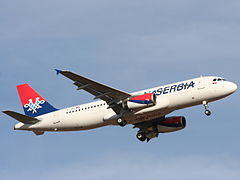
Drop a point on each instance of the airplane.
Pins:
(145, 110)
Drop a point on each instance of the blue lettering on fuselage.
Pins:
(174, 88)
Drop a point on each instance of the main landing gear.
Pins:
(207, 111)
(121, 122)
(141, 136)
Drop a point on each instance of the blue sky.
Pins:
(130, 45)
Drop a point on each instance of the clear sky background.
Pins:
(130, 45)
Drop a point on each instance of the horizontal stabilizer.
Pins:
(22, 118)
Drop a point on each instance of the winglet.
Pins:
(58, 71)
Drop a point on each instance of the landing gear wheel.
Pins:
(121, 122)
(207, 112)
(141, 136)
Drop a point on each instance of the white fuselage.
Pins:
(169, 98)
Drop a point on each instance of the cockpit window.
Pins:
(219, 79)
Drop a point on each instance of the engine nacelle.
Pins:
(141, 101)
(171, 124)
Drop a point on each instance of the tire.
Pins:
(121, 122)
(207, 112)
(141, 136)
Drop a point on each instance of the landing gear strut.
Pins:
(121, 122)
(207, 111)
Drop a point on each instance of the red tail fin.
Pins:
(33, 103)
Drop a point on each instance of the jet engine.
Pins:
(149, 130)
(141, 101)
(171, 124)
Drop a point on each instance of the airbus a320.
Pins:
(146, 110)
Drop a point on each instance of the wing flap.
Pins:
(22, 118)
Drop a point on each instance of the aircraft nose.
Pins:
(232, 87)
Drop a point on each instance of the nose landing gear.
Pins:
(207, 111)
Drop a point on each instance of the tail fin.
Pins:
(33, 104)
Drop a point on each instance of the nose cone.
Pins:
(232, 87)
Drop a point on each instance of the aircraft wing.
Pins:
(112, 96)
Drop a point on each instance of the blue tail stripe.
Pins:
(34, 110)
